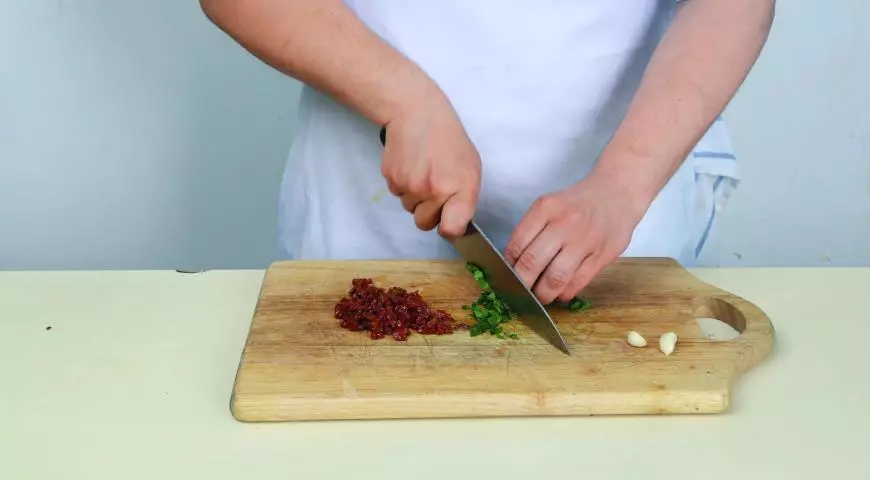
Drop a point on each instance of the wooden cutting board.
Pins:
(298, 364)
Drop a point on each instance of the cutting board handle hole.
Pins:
(719, 320)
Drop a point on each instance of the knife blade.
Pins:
(477, 248)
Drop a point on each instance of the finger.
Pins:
(532, 223)
(559, 273)
(535, 258)
(390, 176)
(589, 268)
(395, 190)
(427, 214)
(410, 202)
(456, 214)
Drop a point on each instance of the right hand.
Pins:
(431, 165)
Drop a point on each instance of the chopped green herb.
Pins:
(488, 310)
(579, 303)
(491, 313)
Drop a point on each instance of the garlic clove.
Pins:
(635, 339)
(667, 342)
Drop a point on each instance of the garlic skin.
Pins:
(667, 343)
(636, 340)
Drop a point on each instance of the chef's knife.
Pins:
(475, 247)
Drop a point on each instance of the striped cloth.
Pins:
(716, 178)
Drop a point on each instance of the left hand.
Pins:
(567, 237)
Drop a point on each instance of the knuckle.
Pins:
(393, 188)
(513, 251)
(545, 296)
(574, 216)
(548, 204)
(388, 174)
(439, 189)
(417, 186)
(527, 261)
(408, 204)
(557, 278)
(567, 224)
(540, 204)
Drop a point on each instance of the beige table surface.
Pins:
(133, 381)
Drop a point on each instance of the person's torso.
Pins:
(540, 86)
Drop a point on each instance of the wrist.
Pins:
(628, 178)
(410, 90)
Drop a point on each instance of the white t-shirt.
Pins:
(540, 87)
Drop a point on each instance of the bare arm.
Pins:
(700, 63)
(429, 161)
(703, 58)
(323, 44)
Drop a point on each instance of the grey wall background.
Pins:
(136, 135)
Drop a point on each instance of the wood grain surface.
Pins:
(298, 364)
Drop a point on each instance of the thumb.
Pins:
(456, 214)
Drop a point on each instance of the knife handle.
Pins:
(471, 225)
